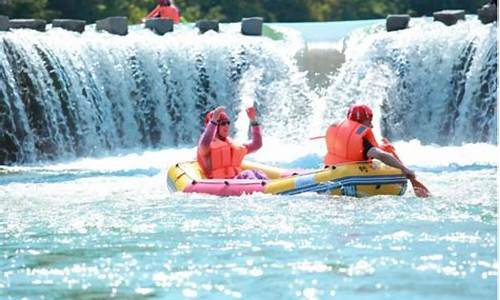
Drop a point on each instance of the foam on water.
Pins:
(308, 155)
(106, 226)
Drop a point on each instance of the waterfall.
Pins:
(434, 83)
(64, 94)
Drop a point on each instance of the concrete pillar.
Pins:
(113, 25)
(251, 26)
(160, 26)
(206, 25)
(487, 13)
(35, 24)
(68, 24)
(4, 23)
(397, 22)
(449, 17)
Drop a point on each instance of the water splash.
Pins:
(431, 82)
(65, 94)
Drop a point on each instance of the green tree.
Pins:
(233, 11)
(27, 9)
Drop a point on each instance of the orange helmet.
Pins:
(222, 117)
(360, 113)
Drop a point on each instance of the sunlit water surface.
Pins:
(108, 227)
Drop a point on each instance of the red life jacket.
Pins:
(165, 12)
(344, 142)
(169, 12)
(225, 159)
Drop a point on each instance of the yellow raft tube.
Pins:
(358, 179)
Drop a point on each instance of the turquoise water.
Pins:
(327, 31)
(105, 226)
(314, 32)
(108, 228)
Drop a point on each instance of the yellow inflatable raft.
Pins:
(354, 179)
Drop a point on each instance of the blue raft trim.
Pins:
(347, 181)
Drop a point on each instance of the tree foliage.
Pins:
(233, 11)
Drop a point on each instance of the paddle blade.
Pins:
(419, 188)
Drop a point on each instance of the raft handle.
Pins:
(226, 182)
(194, 182)
(263, 183)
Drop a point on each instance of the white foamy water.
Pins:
(98, 221)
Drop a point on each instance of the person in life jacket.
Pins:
(165, 10)
(352, 140)
(218, 155)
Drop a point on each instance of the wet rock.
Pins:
(251, 26)
(113, 25)
(160, 26)
(69, 24)
(206, 25)
(487, 13)
(397, 22)
(35, 24)
(4, 23)
(449, 17)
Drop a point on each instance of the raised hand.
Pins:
(216, 112)
(251, 113)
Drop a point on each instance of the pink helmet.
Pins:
(360, 113)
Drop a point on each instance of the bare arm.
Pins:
(390, 160)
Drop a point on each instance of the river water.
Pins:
(85, 212)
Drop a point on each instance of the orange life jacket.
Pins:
(225, 159)
(344, 142)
